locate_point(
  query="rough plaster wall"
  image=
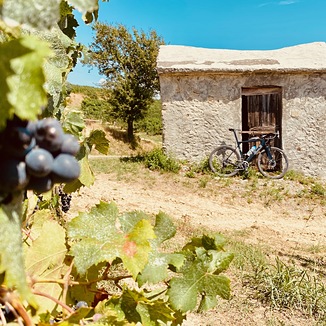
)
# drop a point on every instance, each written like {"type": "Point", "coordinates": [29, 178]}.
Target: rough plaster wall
{"type": "Point", "coordinates": [199, 109]}
{"type": "Point", "coordinates": [304, 123]}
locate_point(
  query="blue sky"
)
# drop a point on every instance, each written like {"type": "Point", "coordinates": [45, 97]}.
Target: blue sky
{"type": "Point", "coordinates": [220, 24]}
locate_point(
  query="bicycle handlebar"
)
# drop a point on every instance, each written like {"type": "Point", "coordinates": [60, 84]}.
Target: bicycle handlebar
{"type": "Point", "coordinates": [271, 135]}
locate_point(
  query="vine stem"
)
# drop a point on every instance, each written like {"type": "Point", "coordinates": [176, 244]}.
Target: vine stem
{"type": "Point", "coordinates": [66, 279]}
{"type": "Point", "coordinates": [63, 305]}
{"type": "Point", "coordinates": [20, 313]}
{"type": "Point", "coordinates": [28, 234]}
{"type": "Point", "coordinates": [64, 282]}
{"type": "Point", "coordinates": [3, 318]}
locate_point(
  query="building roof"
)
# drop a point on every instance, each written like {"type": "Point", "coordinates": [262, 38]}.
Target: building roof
{"type": "Point", "coordinates": [309, 57]}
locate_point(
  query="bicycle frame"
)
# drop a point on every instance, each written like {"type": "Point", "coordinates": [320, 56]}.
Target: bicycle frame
{"type": "Point", "coordinates": [262, 146]}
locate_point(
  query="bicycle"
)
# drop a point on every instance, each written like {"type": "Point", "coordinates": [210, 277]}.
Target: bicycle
{"type": "Point", "coordinates": [227, 161]}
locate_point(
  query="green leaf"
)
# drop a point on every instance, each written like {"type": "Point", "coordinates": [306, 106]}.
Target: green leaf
{"type": "Point", "coordinates": [136, 247]}
{"type": "Point", "coordinates": [199, 277]}
{"type": "Point", "coordinates": [129, 220]}
{"type": "Point", "coordinates": [98, 138]}
{"type": "Point", "coordinates": [78, 315]}
{"type": "Point", "coordinates": [22, 78]}
{"type": "Point", "coordinates": [72, 186]}
{"type": "Point", "coordinates": [156, 269]}
{"type": "Point", "coordinates": [87, 177]}
{"type": "Point", "coordinates": [45, 260]}
{"type": "Point", "coordinates": [37, 14]}
{"type": "Point", "coordinates": [133, 307]}
{"type": "Point", "coordinates": [37, 220]}
{"type": "Point", "coordinates": [11, 252]}
{"type": "Point", "coordinates": [216, 243]}
{"type": "Point", "coordinates": [164, 228]}
{"type": "Point", "coordinates": [73, 123]}
{"type": "Point", "coordinates": [85, 291]}
{"type": "Point", "coordinates": [184, 291]}
{"type": "Point", "coordinates": [98, 236]}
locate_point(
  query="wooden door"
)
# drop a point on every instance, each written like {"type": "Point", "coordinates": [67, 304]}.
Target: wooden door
{"type": "Point", "coordinates": [262, 111]}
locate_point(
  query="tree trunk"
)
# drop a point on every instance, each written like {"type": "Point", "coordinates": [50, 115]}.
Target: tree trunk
{"type": "Point", "coordinates": [130, 129]}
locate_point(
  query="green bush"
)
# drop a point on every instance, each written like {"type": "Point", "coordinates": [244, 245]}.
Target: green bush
{"type": "Point", "coordinates": [158, 160]}
{"type": "Point", "coordinates": [98, 109]}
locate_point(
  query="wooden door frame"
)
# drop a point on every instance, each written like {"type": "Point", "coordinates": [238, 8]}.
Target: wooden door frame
{"type": "Point", "coordinates": [262, 90]}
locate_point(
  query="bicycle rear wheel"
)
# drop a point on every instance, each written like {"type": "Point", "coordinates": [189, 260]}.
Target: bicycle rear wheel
{"type": "Point", "coordinates": [274, 168]}
{"type": "Point", "coordinates": [224, 161]}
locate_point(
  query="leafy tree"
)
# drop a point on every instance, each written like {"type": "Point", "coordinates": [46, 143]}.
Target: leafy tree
{"type": "Point", "coordinates": [128, 60]}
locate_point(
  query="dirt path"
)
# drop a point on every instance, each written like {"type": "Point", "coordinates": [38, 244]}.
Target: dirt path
{"type": "Point", "coordinates": [283, 221]}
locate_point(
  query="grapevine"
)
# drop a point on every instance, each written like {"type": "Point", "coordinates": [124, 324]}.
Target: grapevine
{"type": "Point", "coordinates": [55, 270]}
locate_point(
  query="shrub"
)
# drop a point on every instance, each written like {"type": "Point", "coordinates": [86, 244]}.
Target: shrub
{"type": "Point", "coordinates": [158, 160]}
{"type": "Point", "coordinates": [98, 109]}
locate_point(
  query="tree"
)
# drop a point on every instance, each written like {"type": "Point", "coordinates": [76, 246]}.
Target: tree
{"type": "Point", "coordinates": [128, 60]}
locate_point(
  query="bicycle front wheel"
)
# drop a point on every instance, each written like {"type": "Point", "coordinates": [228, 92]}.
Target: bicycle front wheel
{"type": "Point", "coordinates": [224, 161]}
{"type": "Point", "coordinates": [274, 168]}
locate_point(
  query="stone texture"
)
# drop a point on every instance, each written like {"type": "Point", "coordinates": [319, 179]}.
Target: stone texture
{"type": "Point", "coordinates": [202, 99]}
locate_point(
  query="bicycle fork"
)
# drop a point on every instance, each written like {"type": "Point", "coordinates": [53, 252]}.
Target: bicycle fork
{"type": "Point", "coordinates": [271, 160]}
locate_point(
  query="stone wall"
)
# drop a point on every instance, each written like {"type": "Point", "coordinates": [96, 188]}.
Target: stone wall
{"type": "Point", "coordinates": [198, 109]}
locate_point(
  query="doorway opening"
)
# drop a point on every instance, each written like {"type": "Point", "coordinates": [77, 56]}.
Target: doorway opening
{"type": "Point", "coordinates": [261, 112]}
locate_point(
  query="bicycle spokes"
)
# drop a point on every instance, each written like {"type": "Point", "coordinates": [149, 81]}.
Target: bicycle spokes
{"type": "Point", "coordinates": [223, 161]}
{"type": "Point", "coordinates": [273, 164]}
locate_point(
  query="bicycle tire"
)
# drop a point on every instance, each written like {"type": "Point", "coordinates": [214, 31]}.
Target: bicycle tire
{"type": "Point", "coordinates": [275, 168]}
{"type": "Point", "coordinates": [223, 161]}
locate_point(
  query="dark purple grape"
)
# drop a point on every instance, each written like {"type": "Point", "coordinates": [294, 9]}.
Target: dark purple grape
{"type": "Point", "coordinates": [81, 304]}
{"type": "Point", "coordinates": [16, 122]}
{"type": "Point", "coordinates": [31, 127]}
{"type": "Point", "coordinates": [13, 175]}
{"type": "Point", "coordinates": [70, 145]}
{"type": "Point", "coordinates": [65, 168]}
{"type": "Point", "coordinates": [39, 162]}
{"type": "Point", "coordinates": [49, 134]}
{"type": "Point", "coordinates": [65, 200]}
{"type": "Point", "coordinates": [17, 142]}
{"type": "Point", "coordinates": [40, 185]}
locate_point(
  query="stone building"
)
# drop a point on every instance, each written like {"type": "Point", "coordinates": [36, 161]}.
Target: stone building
{"type": "Point", "coordinates": [206, 91]}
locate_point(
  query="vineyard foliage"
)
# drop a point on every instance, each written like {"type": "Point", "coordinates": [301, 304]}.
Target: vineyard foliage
{"type": "Point", "coordinates": [101, 267]}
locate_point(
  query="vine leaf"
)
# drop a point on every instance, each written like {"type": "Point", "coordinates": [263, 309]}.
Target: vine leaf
{"type": "Point", "coordinates": [156, 269]}
{"type": "Point", "coordinates": [102, 235]}
{"type": "Point", "coordinates": [99, 140]}
{"type": "Point", "coordinates": [86, 174]}
{"type": "Point", "coordinates": [85, 291]}
{"type": "Point", "coordinates": [22, 78]}
{"type": "Point", "coordinates": [37, 14]}
{"type": "Point", "coordinates": [135, 307]}
{"type": "Point", "coordinates": [11, 252]}
{"type": "Point", "coordinates": [45, 260]}
{"type": "Point", "coordinates": [199, 276]}
{"type": "Point", "coordinates": [84, 5]}
{"type": "Point", "coordinates": [73, 123]}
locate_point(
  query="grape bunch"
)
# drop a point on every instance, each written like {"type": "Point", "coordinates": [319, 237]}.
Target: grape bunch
{"type": "Point", "coordinates": [35, 155]}
{"type": "Point", "coordinates": [65, 200]}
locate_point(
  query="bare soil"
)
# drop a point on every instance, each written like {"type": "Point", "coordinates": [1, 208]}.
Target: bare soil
{"type": "Point", "coordinates": [288, 225]}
